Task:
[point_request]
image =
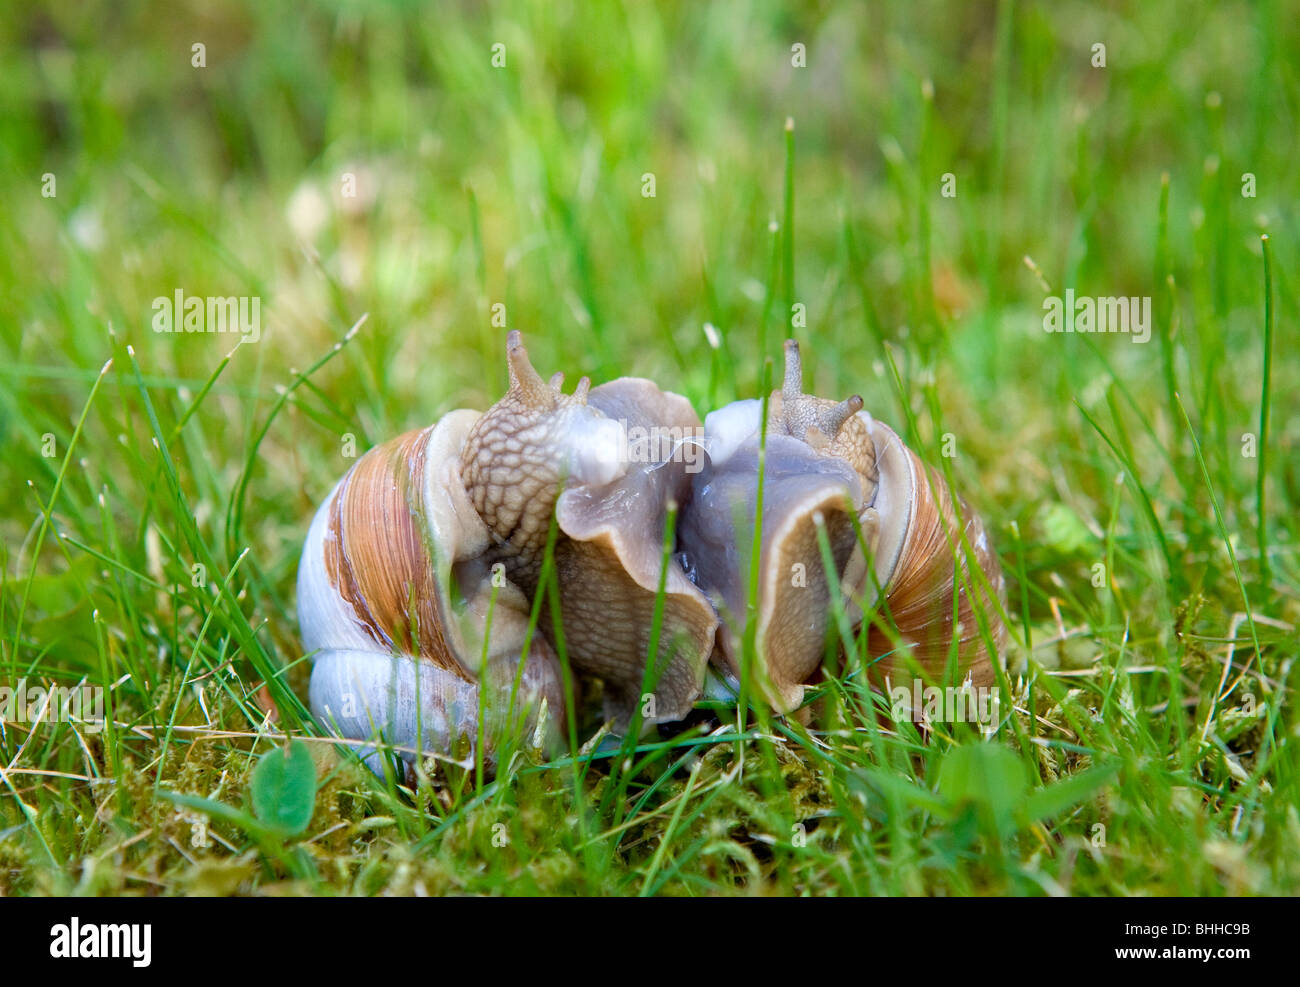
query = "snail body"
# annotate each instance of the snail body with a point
(830, 465)
(611, 558)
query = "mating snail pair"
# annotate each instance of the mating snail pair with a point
(422, 566)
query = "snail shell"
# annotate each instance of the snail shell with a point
(831, 464)
(420, 570)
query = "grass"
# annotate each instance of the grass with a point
(1143, 497)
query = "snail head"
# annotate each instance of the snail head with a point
(528, 446)
(833, 428)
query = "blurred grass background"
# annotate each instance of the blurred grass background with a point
(523, 185)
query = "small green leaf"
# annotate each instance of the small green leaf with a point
(284, 789)
(987, 775)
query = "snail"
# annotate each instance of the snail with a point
(831, 464)
(421, 567)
